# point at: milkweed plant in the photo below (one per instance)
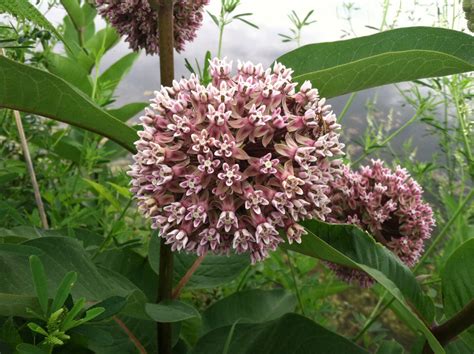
(238, 172)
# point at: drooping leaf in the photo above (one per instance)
(350, 246)
(252, 306)
(403, 54)
(457, 281)
(171, 311)
(35, 91)
(290, 334)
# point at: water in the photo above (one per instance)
(264, 46)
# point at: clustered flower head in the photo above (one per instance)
(137, 21)
(224, 167)
(388, 204)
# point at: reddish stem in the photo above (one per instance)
(184, 280)
(130, 335)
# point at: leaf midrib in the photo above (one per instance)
(449, 56)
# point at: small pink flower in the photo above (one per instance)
(207, 164)
(201, 141)
(227, 219)
(230, 174)
(267, 165)
(224, 147)
(192, 184)
(255, 200)
(196, 213)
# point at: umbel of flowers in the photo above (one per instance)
(388, 204)
(138, 22)
(224, 167)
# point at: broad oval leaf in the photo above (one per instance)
(350, 246)
(59, 255)
(252, 306)
(31, 90)
(171, 311)
(457, 280)
(290, 334)
(403, 54)
(213, 271)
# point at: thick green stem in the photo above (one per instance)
(165, 285)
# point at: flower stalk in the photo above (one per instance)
(165, 285)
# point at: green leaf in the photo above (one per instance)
(25, 348)
(69, 320)
(390, 347)
(9, 333)
(35, 91)
(213, 271)
(252, 306)
(67, 69)
(128, 111)
(457, 281)
(290, 334)
(404, 54)
(123, 191)
(40, 282)
(350, 246)
(24, 10)
(36, 328)
(101, 42)
(91, 314)
(113, 305)
(104, 193)
(59, 256)
(74, 11)
(63, 291)
(170, 311)
(111, 77)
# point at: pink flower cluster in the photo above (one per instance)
(224, 167)
(138, 22)
(388, 204)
